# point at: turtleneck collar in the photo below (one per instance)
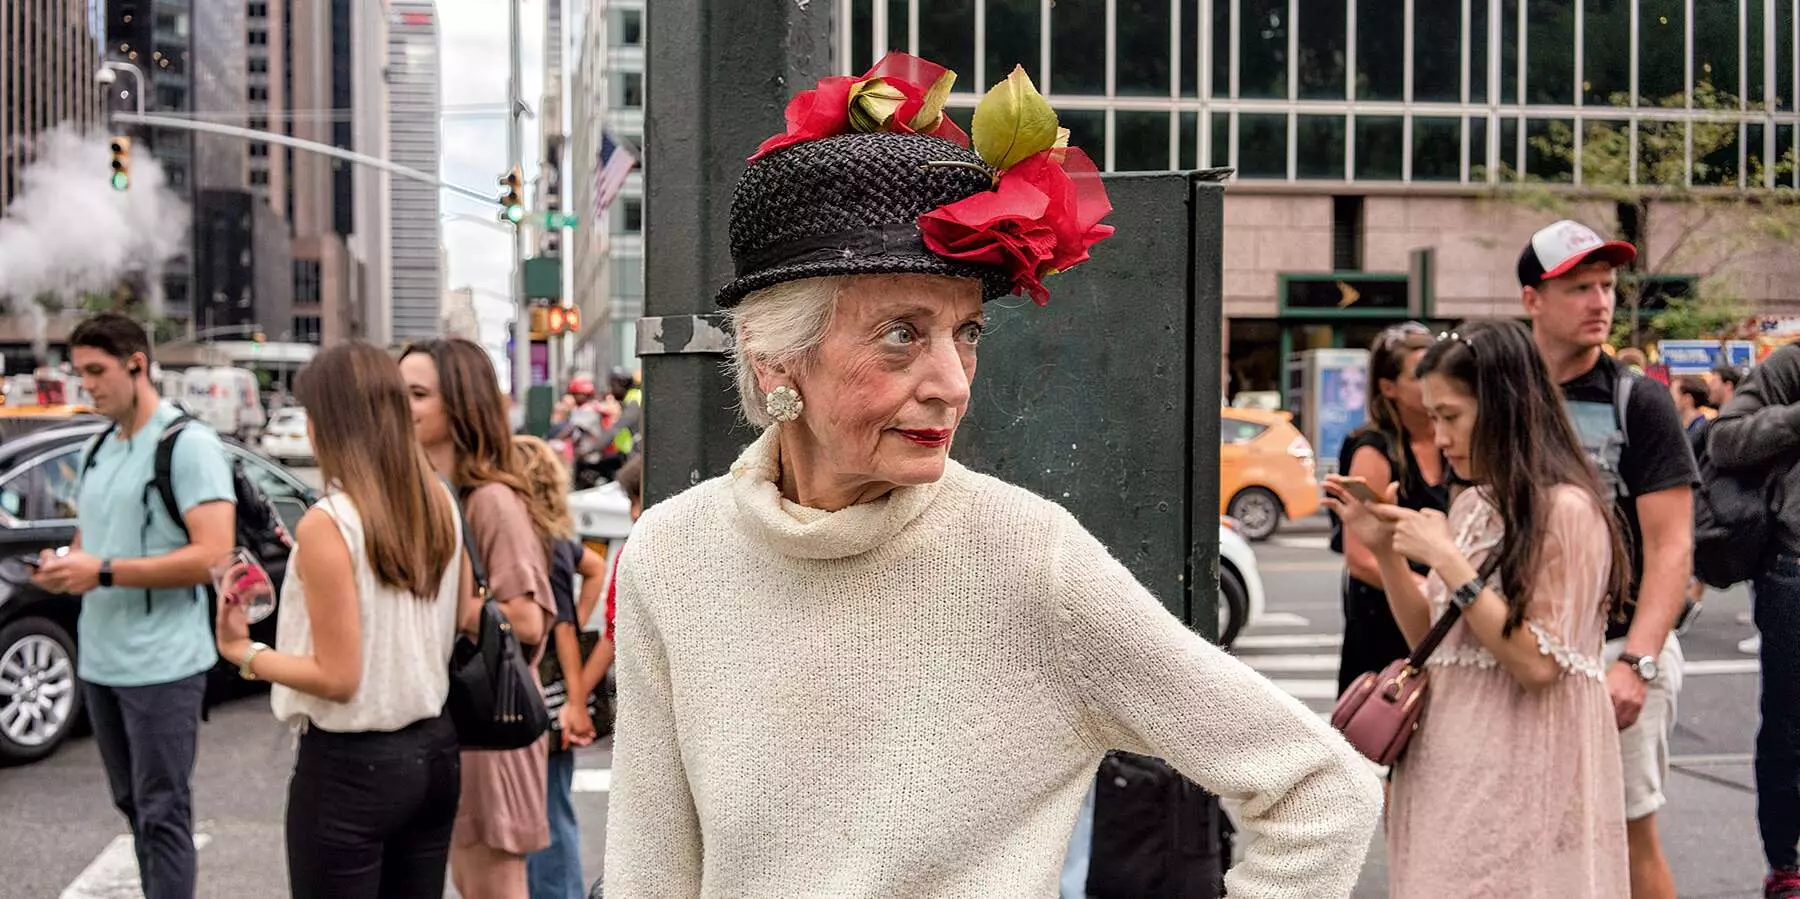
(806, 533)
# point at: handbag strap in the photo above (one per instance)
(1448, 620)
(475, 565)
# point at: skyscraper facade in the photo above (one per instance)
(49, 51)
(607, 251)
(415, 124)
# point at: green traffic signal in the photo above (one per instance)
(515, 214)
(120, 181)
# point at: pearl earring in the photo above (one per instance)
(784, 403)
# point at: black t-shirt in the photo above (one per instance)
(1655, 456)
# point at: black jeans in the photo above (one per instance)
(146, 737)
(1778, 740)
(370, 814)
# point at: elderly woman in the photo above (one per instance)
(854, 668)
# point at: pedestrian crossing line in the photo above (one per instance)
(1286, 641)
(1288, 664)
(1280, 619)
(1301, 542)
(113, 874)
(593, 780)
(1308, 688)
(1704, 667)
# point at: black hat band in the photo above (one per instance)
(892, 239)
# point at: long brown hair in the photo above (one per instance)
(363, 437)
(547, 478)
(1523, 447)
(470, 391)
(1387, 362)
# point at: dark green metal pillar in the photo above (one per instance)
(719, 76)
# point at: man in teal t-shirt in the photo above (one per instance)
(145, 642)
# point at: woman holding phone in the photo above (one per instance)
(1511, 787)
(1393, 446)
(369, 612)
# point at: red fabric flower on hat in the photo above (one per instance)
(1041, 219)
(1045, 211)
(901, 93)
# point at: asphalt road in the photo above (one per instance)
(62, 837)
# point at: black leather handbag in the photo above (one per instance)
(494, 702)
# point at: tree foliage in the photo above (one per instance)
(1705, 223)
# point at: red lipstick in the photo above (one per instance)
(927, 437)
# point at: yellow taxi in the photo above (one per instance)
(1266, 471)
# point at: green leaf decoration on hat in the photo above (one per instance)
(1013, 122)
(872, 104)
(931, 111)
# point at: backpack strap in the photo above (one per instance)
(1621, 404)
(93, 448)
(163, 479)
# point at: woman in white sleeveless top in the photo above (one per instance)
(369, 611)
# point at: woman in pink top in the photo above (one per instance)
(1511, 787)
(460, 418)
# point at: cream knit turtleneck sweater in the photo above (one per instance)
(909, 698)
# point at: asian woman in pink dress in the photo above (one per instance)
(1511, 787)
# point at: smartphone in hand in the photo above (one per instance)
(1359, 488)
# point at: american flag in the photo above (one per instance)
(610, 170)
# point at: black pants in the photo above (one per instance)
(370, 814)
(146, 737)
(1372, 638)
(1778, 740)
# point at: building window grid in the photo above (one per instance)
(1578, 112)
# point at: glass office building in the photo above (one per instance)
(1364, 130)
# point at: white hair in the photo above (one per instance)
(781, 325)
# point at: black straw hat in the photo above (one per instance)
(850, 205)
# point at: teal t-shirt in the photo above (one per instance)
(124, 642)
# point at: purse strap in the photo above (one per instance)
(1452, 612)
(475, 565)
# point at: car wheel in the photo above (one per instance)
(1257, 511)
(40, 697)
(1234, 605)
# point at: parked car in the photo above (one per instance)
(285, 440)
(1266, 471)
(1241, 598)
(40, 696)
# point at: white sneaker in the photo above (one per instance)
(1751, 645)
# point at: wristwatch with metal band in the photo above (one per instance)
(1466, 594)
(244, 669)
(1644, 667)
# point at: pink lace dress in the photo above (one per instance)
(1505, 792)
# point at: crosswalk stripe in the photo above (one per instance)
(113, 874)
(1286, 641)
(1280, 619)
(593, 780)
(1293, 663)
(1309, 688)
(1703, 667)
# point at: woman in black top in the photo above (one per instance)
(1394, 446)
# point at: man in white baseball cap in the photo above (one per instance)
(1568, 277)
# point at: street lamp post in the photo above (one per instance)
(106, 76)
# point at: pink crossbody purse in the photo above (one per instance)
(1380, 711)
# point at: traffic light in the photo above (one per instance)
(121, 163)
(512, 205)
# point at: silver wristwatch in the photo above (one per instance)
(1466, 594)
(1644, 667)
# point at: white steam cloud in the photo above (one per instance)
(67, 231)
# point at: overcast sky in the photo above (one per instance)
(474, 35)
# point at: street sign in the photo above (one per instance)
(1697, 357)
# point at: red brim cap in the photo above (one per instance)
(1617, 252)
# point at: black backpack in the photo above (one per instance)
(1732, 527)
(259, 525)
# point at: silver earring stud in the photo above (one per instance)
(784, 403)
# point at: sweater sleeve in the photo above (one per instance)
(653, 845)
(1147, 684)
(1762, 422)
